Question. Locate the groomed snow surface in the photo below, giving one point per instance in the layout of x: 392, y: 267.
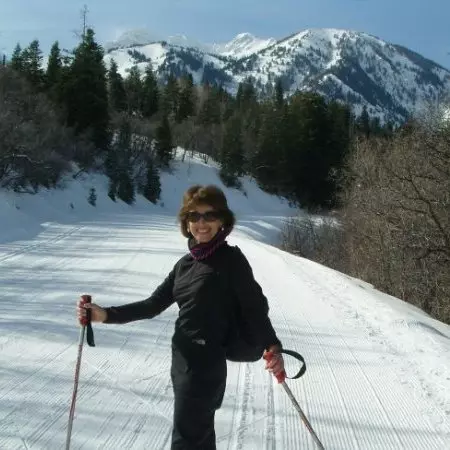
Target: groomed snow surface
x: 378, y: 370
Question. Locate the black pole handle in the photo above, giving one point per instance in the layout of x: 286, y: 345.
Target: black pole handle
x: 89, y: 331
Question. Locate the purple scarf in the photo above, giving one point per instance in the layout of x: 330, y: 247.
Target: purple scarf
x: 204, y: 250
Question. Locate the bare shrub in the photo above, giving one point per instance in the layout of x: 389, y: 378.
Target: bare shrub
x: 397, y: 216
x: 319, y: 238
x: 394, y: 227
x: 206, y: 140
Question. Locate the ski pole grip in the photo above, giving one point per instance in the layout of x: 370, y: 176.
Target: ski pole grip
x: 86, y: 299
x: 86, y: 322
x: 281, y: 377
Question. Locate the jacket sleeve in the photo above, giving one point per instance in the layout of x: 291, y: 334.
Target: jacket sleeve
x: 160, y: 300
x: 253, y: 303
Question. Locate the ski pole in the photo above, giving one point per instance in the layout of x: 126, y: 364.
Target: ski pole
x: 85, y: 323
x: 302, y: 415
x: 281, y: 377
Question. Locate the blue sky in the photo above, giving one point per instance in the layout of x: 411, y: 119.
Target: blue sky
x: 422, y: 25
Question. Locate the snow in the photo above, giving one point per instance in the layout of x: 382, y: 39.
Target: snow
x: 446, y: 114
x: 132, y: 38
x: 156, y: 52
x: 244, y: 44
x: 378, y: 369
x: 140, y: 37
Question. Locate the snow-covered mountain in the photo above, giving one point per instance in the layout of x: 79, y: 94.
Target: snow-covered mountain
x: 141, y: 37
x: 390, y: 80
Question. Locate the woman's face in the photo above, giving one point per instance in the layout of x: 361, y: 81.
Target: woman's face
x: 203, y: 222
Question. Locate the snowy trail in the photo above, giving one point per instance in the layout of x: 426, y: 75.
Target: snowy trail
x: 352, y: 391
x: 361, y: 389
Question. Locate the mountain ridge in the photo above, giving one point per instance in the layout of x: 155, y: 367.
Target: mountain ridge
x: 390, y: 80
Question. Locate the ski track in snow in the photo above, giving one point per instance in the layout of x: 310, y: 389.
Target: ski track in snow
x: 351, y: 393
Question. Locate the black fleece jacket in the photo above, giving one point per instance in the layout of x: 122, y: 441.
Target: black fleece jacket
x: 205, y: 291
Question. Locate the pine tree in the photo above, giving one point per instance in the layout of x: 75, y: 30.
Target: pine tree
x: 375, y: 126
x: 116, y: 89
x: 152, y: 188
x: 210, y: 112
x: 56, y: 74
x: 87, y: 93
x: 112, y: 189
x: 279, y: 94
x: 119, y: 167
x: 150, y: 93
x: 240, y: 95
x: 16, y: 59
x: 363, y: 123
x: 125, y: 188
x: 164, y: 146
x: 32, y: 64
x: 123, y: 142
x: 186, y: 99
x: 269, y: 156
x: 339, y: 146
x: 227, y: 104
x: 171, y: 97
x: 232, y: 155
x: 92, y: 199
x: 248, y: 97
x: 134, y: 91
x: 112, y: 170
x: 54, y: 66
x: 309, y: 150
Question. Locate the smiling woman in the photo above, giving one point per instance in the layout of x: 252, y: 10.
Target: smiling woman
x: 214, y: 287
x: 204, y: 212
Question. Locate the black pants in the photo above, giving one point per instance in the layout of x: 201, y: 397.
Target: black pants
x: 199, y: 385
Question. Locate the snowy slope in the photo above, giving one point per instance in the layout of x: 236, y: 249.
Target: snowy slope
x: 132, y: 38
x: 244, y: 44
x: 169, y: 58
x: 378, y: 369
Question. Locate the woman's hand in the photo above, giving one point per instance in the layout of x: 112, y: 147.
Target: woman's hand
x: 98, y: 314
x: 275, y: 362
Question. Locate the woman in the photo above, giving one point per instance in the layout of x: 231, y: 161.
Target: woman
x: 203, y: 326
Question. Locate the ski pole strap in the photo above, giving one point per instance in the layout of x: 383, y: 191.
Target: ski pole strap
x: 87, y: 322
x: 300, y: 358
x: 90, y: 333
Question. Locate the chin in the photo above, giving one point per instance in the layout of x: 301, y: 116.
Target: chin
x: 204, y: 239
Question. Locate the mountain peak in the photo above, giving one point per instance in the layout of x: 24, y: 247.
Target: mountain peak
x: 242, y: 45
x: 132, y: 38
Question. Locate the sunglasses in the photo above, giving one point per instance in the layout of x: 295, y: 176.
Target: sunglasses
x: 208, y: 216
